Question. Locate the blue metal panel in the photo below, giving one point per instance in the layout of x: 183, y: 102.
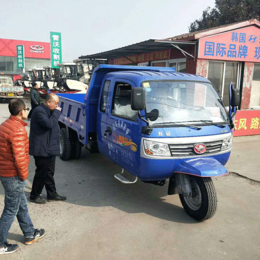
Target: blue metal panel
x: 154, y: 169
x: 75, y: 97
x: 202, y: 167
x: 173, y: 132
x: 73, y: 114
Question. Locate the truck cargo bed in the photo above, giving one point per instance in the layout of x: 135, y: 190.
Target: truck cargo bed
x: 73, y: 114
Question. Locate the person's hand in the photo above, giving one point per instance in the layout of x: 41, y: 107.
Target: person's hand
x: 58, y: 108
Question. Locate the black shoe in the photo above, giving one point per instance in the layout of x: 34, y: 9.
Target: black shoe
x: 8, y: 249
x: 38, y: 200
x: 37, y: 235
x: 57, y: 198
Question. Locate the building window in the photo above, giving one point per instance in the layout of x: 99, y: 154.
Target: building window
x: 215, y: 75
x: 221, y: 74
x: 255, y: 90
x: 7, y: 64
x: 36, y: 63
x: 178, y: 64
x: 159, y: 64
x: 256, y: 75
x: 181, y: 66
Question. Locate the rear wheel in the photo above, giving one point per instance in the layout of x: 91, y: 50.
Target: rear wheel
x: 65, y: 145
x: 202, y: 203
x: 93, y: 147
x: 75, y: 149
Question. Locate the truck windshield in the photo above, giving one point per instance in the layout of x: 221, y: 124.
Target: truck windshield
x: 6, y: 81
x: 183, y: 102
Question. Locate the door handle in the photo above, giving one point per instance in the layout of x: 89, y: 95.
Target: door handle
x: 108, y: 132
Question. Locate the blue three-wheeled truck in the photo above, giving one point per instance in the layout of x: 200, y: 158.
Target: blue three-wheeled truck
x: 157, y: 125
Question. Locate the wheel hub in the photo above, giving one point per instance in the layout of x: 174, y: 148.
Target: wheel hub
x: 194, y: 200
x: 61, y: 144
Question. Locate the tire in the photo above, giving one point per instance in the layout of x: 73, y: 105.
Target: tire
x: 75, y: 149
x: 202, y: 204
x: 65, y: 145
x: 93, y: 147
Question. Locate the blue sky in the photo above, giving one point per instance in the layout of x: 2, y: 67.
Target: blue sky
x: 91, y: 26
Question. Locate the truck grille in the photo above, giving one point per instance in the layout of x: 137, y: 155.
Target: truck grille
x: 179, y: 150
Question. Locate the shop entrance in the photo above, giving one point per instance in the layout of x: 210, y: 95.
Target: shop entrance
x: 221, y: 73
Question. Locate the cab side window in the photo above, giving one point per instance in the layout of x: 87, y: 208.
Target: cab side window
x: 103, y: 101
x: 122, y: 102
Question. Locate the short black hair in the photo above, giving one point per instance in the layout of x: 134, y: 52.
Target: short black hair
x: 16, y: 106
x: 34, y: 84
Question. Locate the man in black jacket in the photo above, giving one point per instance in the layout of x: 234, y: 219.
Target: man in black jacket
x: 44, y: 146
x: 35, y: 98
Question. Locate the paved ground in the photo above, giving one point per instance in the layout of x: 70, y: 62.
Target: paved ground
x: 245, y: 158
x: 104, y: 219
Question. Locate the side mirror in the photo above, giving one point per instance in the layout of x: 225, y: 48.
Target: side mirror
x: 153, y: 115
x: 138, y: 99
x: 234, y: 96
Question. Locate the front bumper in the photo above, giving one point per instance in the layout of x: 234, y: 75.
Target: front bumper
x: 153, y: 169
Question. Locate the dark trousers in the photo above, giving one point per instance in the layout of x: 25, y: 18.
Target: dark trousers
x: 31, y: 111
x: 45, y: 167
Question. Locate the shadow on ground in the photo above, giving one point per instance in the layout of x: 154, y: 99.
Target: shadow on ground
x: 90, y: 182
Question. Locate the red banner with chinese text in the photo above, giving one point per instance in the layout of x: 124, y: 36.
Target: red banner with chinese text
x: 247, y: 122
x: 237, y: 45
x: 151, y: 56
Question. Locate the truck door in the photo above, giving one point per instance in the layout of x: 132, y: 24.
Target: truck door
x: 102, y: 118
x: 123, y: 130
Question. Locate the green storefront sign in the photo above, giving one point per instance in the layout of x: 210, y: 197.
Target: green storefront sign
x: 20, y: 56
x: 56, y: 52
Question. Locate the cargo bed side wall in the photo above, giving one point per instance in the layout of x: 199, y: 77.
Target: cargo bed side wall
x: 73, y: 114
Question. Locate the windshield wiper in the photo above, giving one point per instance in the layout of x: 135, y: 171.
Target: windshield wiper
x: 178, y: 124
x: 219, y: 124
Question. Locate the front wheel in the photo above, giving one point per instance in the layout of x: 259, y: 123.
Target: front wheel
x: 202, y: 203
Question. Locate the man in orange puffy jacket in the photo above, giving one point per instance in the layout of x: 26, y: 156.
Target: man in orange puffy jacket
x: 14, y: 162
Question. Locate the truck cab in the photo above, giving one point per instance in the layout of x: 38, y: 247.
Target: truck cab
x: 70, y: 73
x: 39, y: 75
x: 51, y: 78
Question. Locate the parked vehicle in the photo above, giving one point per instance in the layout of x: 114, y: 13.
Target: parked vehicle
x: 69, y: 78
x: 38, y: 78
x: 34, y: 76
x: 157, y: 125
x: 51, y: 78
x: 26, y: 81
x: 7, y: 88
x: 87, y: 66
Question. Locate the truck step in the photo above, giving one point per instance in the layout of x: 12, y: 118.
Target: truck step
x: 123, y: 179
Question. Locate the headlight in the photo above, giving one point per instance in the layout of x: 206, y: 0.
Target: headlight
x: 156, y: 149
x: 227, y: 143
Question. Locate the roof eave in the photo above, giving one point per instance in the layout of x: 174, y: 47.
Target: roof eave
x: 227, y: 28
x: 216, y: 30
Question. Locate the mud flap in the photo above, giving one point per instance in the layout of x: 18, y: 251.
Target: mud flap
x: 201, y: 167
